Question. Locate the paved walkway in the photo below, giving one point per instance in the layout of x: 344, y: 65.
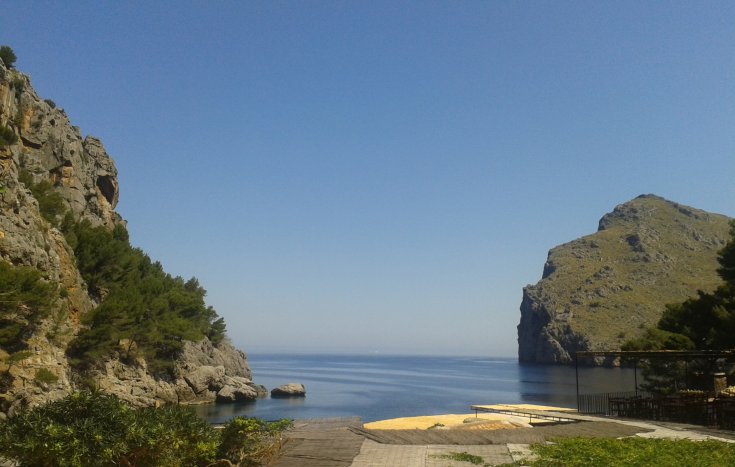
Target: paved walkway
x: 375, y: 454
x: 321, y: 443
x: 343, y: 442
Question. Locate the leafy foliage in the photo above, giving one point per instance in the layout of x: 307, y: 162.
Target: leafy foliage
x: 43, y: 375
x: 19, y: 86
x: 251, y: 441
x: 140, y: 302
x: 657, y: 339
x: 727, y: 259
x: 50, y: 203
x: 7, y: 136
x: 8, y: 56
x: 94, y: 429
x: 634, y: 451
x: 50, y: 103
x: 24, y: 299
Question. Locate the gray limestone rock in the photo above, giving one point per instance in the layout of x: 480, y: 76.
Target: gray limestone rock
x: 289, y: 390
x: 237, y: 389
x: 205, y: 353
x: 204, y: 378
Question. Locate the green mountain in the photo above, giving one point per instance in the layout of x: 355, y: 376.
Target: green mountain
x: 600, y: 290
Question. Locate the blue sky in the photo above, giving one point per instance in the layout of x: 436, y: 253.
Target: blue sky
x: 386, y: 176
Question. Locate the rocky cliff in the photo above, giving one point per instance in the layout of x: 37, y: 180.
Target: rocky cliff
x: 39, y: 144
x: 602, y: 289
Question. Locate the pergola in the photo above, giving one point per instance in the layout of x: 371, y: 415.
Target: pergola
x: 636, y: 355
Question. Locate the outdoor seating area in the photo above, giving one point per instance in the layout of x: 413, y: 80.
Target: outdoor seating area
x: 699, y: 408
x: 693, y: 397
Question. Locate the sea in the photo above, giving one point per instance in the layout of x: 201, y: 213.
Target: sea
x: 378, y: 387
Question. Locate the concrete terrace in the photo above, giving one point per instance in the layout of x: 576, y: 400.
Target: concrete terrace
x: 344, y: 442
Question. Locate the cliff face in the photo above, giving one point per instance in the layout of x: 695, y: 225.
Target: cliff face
x: 47, y: 147
x: 600, y: 290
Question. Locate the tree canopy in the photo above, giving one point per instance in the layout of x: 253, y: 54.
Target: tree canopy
x: 140, y: 302
x: 7, y: 56
x: 25, y: 298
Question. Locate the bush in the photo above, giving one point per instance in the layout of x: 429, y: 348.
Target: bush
x: 50, y: 203
x: 19, y: 85
x: 45, y: 376
x: 251, y: 441
x: 81, y: 429
x: 26, y: 298
x: 8, y: 56
x: 7, y: 137
x: 50, y: 103
x: 94, y: 429
x: 171, y: 435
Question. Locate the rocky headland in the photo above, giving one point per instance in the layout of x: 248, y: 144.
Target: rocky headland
x: 39, y: 147
x: 600, y: 290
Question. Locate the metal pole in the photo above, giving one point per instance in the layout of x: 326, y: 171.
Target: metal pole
x: 576, y: 375
x: 635, y: 375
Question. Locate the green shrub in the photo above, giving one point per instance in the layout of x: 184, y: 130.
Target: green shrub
x: 81, y: 429
x: 141, y: 302
x: 94, y: 429
x: 26, y: 298
x: 50, y: 202
x: 45, y: 376
x: 172, y: 435
x: 16, y: 357
x: 50, y: 103
x: 7, y: 137
x: 251, y: 441
x: 18, y: 85
x: 7, y: 56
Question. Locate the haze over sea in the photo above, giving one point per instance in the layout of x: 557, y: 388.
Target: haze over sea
x: 378, y: 387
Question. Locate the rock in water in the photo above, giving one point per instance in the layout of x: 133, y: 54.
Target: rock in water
x: 603, y: 289
x: 289, y: 390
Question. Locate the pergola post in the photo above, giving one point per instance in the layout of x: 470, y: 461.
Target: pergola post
x: 576, y: 375
x: 635, y: 375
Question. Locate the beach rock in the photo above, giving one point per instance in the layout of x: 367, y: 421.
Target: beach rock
x: 205, y: 377
x: 603, y: 289
x: 289, y: 390
x: 205, y: 353
x: 237, y: 389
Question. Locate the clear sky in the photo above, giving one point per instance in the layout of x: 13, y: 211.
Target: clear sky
x: 385, y: 176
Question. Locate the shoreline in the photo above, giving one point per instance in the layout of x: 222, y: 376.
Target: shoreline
x: 513, y: 416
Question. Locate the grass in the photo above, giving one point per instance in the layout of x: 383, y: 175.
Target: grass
x: 462, y: 457
x: 632, y: 452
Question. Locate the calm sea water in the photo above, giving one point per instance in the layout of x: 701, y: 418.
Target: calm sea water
x: 381, y: 387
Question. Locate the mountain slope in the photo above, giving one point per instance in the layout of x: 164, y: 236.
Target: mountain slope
x: 52, y: 179
x: 602, y: 289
